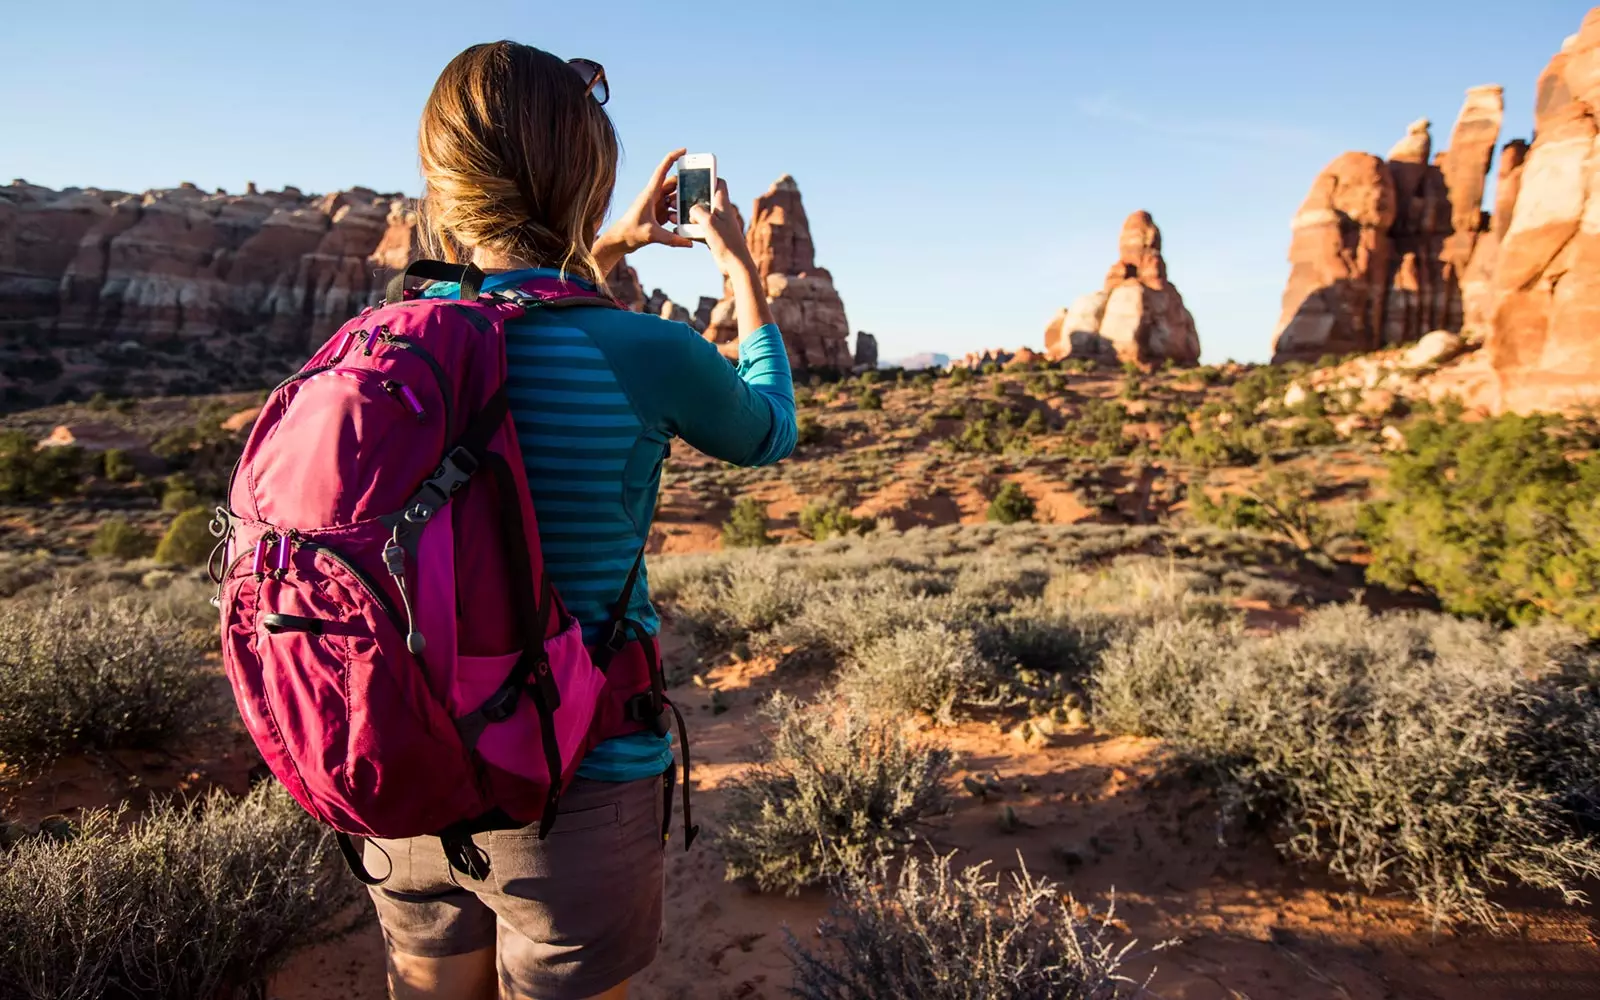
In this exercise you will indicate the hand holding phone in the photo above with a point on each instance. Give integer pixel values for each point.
(697, 179)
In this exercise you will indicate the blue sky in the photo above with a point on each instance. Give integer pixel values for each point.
(966, 167)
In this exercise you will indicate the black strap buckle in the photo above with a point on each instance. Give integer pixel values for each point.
(502, 703)
(617, 638)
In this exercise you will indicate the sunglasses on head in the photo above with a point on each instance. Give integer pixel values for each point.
(594, 78)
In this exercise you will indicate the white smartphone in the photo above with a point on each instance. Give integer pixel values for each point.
(697, 179)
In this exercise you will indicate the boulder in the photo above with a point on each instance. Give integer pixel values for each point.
(866, 352)
(1434, 348)
(702, 312)
(1542, 345)
(93, 435)
(1137, 316)
(242, 420)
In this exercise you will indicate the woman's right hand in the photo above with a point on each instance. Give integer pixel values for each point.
(724, 233)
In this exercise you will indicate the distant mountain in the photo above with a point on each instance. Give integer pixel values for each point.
(927, 359)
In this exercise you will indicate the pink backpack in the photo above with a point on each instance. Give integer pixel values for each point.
(396, 651)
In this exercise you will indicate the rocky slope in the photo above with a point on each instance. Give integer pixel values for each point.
(1136, 316)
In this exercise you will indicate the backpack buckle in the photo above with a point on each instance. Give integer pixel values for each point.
(502, 703)
(617, 638)
(641, 708)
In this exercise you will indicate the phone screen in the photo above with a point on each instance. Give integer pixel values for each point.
(694, 188)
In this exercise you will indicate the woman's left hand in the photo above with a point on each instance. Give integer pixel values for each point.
(646, 220)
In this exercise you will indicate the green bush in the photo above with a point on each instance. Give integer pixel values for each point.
(188, 541)
(832, 793)
(115, 538)
(927, 932)
(1495, 517)
(28, 472)
(809, 431)
(117, 466)
(178, 493)
(746, 525)
(188, 902)
(1416, 752)
(98, 674)
(1010, 505)
(820, 521)
(960, 375)
(1288, 503)
(870, 400)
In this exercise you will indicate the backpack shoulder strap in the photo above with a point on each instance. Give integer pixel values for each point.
(544, 292)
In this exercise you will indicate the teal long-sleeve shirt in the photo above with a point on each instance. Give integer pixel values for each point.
(596, 396)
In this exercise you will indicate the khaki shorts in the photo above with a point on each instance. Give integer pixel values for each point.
(570, 916)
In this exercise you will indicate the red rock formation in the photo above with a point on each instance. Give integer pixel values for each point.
(866, 352)
(89, 264)
(804, 303)
(1386, 251)
(623, 283)
(1138, 316)
(1543, 347)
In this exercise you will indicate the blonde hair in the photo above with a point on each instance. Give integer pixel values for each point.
(516, 158)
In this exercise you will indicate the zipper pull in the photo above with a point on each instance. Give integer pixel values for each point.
(258, 563)
(281, 570)
(373, 338)
(403, 393)
(394, 560)
(344, 345)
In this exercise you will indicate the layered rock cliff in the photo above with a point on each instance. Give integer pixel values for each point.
(1544, 343)
(86, 264)
(1136, 316)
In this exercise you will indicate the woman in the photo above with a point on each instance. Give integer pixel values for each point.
(519, 159)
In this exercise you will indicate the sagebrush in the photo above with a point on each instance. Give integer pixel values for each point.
(928, 932)
(833, 791)
(197, 901)
(1407, 751)
(98, 673)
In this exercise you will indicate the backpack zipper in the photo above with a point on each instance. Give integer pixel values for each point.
(406, 343)
(377, 593)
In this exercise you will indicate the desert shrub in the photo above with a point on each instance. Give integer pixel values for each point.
(1416, 752)
(1495, 517)
(188, 541)
(869, 400)
(31, 473)
(178, 493)
(115, 538)
(117, 466)
(1136, 590)
(833, 792)
(188, 902)
(1263, 387)
(930, 668)
(99, 674)
(1010, 505)
(820, 520)
(1036, 423)
(925, 931)
(1286, 503)
(960, 375)
(809, 431)
(746, 526)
